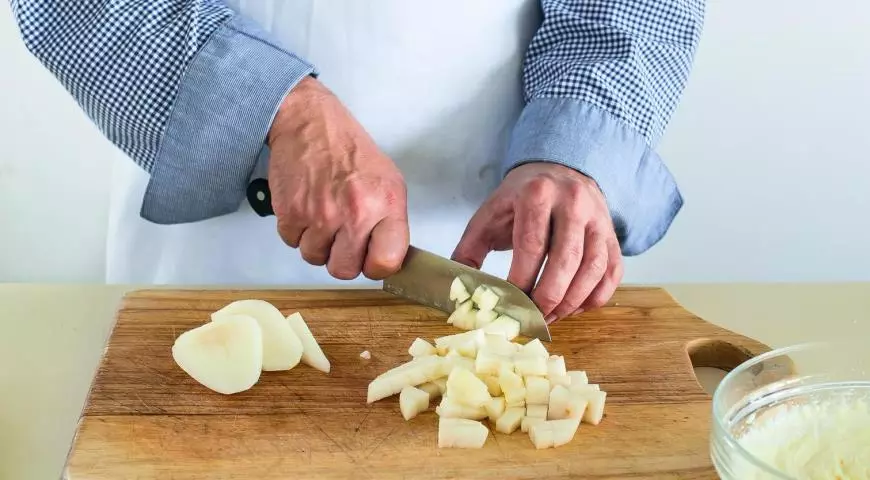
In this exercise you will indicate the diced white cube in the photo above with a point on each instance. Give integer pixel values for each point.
(466, 388)
(412, 401)
(535, 349)
(512, 387)
(556, 366)
(458, 291)
(495, 408)
(461, 433)
(537, 390)
(505, 326)
(595, 409)
(536, 411)
(510, 420)
(484, 298)
(526, 365)
(484, 318)
(578, 377)
(421, 348)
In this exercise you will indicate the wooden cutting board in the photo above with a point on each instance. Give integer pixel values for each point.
(146, 419)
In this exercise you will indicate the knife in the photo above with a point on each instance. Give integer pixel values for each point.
(425, 278)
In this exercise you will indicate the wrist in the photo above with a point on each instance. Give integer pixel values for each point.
(308, 91)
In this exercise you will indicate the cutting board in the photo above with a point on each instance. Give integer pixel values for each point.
(146, 419)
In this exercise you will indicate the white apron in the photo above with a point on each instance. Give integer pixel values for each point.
(436, 83)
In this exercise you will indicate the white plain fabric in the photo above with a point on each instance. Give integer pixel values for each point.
(436, 84)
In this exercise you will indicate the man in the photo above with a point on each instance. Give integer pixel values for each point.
(378, 122)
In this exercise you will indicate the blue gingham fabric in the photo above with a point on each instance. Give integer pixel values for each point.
(188, 88)
(123, 61)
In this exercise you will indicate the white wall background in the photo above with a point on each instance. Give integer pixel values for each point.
(770, 147)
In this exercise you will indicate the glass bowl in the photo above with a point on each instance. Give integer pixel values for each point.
(797, 396)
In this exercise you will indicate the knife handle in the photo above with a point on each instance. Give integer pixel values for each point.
(260, 197)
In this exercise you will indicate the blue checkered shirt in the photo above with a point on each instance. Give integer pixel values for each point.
(188, 89)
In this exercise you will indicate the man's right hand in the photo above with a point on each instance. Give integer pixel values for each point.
(337, 197)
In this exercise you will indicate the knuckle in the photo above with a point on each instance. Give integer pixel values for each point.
(567, 307)
(575, 193)
(573, 248)
(326, 219)
(531, 241)
(289, 234)
(539, 189)
(547, 299)
(317, 260)
(313, 257)
(598, 264)
(364, 199)
(343, 272)
(382, 266)
(597, 301)
(616, 273)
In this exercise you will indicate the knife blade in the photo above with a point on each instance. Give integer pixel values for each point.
(425, 278)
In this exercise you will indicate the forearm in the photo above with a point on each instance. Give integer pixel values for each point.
(601, 82)
(187, 89)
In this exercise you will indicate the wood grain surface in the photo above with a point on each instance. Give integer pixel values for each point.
(146, 419)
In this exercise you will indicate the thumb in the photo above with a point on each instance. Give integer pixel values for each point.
(474, 245)
(387, 248)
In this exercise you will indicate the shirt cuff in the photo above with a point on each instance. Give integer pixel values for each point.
(641, 194)
(226, 102)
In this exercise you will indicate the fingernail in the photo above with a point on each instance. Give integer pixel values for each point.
(579, 311)
(550, 318)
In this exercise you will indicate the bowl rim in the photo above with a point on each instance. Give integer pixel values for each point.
(718, 415)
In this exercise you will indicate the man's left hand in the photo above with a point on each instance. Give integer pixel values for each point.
(544, 211)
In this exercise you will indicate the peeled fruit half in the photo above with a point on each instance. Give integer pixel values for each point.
(225, 356)
(312, 355)
(282, 348)
(461, 433)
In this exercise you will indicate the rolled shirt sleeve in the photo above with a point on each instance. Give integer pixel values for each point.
(187, 88)
(602, 79)
(224, 109)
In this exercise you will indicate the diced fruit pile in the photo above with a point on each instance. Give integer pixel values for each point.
(476, 310)
(479, 374)
(244, 338)
(482, 374)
